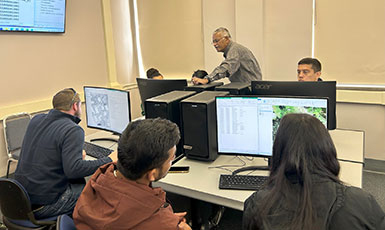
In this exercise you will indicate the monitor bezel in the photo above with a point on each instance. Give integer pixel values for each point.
(42, 31)
(163, 82)
(257, 96)
(294, 88)
(107, 88)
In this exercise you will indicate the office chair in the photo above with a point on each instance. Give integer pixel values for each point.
(14, 127)
(64, 222)
(16, 208)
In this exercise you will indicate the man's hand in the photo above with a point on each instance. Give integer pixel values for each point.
(197, 81)
(114, 156)
(184, 226)
(84, 154)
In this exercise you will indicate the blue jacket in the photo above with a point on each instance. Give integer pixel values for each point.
(51, 156)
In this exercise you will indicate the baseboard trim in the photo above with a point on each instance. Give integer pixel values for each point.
(374, 165)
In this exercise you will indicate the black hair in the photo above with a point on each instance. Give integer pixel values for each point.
(302, 149)
(144, 146)
(315, 64)
(199, 73)
(152, 72)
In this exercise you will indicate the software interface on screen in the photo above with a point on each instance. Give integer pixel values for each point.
(247, 125)
(107, 109)
(32, 15)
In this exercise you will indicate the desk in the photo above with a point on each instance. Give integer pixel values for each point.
(202, 182)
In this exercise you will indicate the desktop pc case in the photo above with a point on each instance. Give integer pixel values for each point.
(167, 106)
(199, 126)
(235, 88)
(206, 87)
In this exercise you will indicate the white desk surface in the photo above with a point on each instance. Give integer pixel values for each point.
(201, 182)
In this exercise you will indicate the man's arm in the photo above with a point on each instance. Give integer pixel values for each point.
(73, 164)
(228, 67)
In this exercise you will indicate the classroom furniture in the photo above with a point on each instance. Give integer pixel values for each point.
(14, 127)
(16, 208)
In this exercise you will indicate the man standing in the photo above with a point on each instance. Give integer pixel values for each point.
(51, 163)
(120, 196)
(309, 69)
(239, 65)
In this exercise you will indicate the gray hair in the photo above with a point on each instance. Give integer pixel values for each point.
(225, 32)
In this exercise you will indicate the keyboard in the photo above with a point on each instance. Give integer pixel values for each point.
(242, 182)
(96, 151)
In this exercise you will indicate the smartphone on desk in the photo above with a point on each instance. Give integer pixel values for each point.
(179, 169)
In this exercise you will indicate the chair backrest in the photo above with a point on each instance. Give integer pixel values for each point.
(64, 222)
(14, 200)
(15, 127)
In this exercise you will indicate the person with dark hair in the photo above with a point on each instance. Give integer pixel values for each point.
(120, 196)
(153, 73)
(200, 74)
(309, 69)
(303, 190)
(51, 161)
(239, 65)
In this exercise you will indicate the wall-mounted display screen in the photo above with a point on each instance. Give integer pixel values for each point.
(33, 15)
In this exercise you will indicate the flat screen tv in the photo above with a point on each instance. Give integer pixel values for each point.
(33, 15)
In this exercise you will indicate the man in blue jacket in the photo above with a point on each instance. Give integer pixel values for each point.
(51, 161)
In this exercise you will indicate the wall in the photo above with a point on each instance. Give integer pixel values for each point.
(277, 32)
(367, 117)
(37, 65)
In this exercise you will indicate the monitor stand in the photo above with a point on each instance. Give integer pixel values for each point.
(107, 138)
(250, 168)
(104, 139)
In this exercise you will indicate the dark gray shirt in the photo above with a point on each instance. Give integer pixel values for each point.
(239, 65)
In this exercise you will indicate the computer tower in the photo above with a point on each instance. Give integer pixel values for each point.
(199, 125)
(235, 88)
(167, 106)
(206, 87)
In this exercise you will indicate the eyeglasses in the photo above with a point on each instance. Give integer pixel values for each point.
(74, 97)
(217, 40)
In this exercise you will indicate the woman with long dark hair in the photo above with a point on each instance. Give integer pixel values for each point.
(303, 190)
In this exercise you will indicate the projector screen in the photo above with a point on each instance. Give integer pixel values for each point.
(32, 15)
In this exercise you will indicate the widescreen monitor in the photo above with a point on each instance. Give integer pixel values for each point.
(149, 88)
(107, 109)
(246, 125)
(33, 15)
(295, 88)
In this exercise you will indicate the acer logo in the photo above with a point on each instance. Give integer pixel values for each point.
(262, 86)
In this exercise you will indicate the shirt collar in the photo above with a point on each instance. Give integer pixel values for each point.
(227, 48)
(57, 114)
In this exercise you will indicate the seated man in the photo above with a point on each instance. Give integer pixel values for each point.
(153, 73)
(309, 69)
(199, 74)
(51, 161)
(120, 196)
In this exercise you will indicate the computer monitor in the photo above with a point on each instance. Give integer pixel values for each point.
(107, 109)
(246, 125)
(153, 87)
(295, 88)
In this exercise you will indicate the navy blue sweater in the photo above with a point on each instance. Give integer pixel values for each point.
(51, 155)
